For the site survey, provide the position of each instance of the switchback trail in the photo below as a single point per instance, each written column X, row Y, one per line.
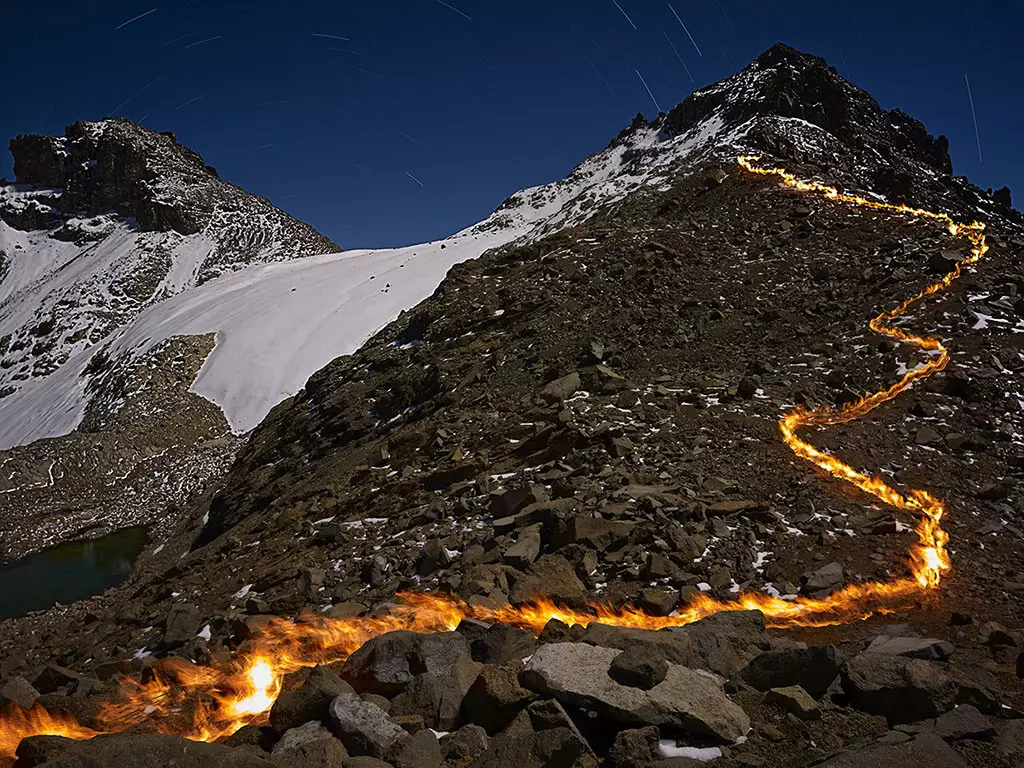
column 210, row 702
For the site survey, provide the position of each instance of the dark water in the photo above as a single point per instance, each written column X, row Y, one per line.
column 68, row 572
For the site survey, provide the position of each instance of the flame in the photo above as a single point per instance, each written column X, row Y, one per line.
column 211, row 702
column 17, row 723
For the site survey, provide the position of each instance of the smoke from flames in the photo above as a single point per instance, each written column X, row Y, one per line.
column 211, row 702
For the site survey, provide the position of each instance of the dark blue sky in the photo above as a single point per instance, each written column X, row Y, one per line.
column 476, row 102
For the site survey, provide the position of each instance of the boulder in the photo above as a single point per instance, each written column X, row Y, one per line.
column 687, row 700
column 925, row 751
column 639, row 667
column 914, row 647
column 901, row 689
column 421, row 751
column 551, row 577
column 503, row 644
column 53, row 678
column 386, row 664
column 964, row 722
column 18, row 690
column 635, row 748
column 495, row 698
column 822, row 581
column 183, row 623
column 39, row 750
column 594, row 532
column 365, row 728
column 724, row 642
column 794, row 700
column 562, row 388
column 311, row 745
column 524, row 745
column 437, row 695
column 672, row 644
column 813, row 669
column 310, row 701
column 464, row 745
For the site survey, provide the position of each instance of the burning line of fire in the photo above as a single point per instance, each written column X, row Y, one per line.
column 211, row 702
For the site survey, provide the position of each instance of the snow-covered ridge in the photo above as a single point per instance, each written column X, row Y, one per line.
column 278, row 322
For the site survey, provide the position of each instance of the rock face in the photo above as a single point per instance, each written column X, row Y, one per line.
column 117, row 165
column 686, row 700
column 901, row 689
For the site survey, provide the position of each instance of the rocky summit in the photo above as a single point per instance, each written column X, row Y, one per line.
column 546, row 516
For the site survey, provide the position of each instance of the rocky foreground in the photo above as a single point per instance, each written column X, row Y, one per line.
column 494, row 696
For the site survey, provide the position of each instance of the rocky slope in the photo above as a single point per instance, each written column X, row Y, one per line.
column 588, row 415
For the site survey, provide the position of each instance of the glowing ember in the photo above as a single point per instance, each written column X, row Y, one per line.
column 211, row 702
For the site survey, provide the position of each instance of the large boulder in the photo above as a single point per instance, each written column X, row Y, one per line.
column 310, row 701
column 551, row 577
column 635, row 748
column 182, row 623
column 365, row 729
column 437, row 695
column 18, row 690
column 813, row 669
column 421, row 751
column 724, row 642
column 901, row 689
column 925, row 751
column 686, row 701
column 386, row 664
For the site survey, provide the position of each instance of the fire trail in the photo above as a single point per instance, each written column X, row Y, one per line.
column 211, row 702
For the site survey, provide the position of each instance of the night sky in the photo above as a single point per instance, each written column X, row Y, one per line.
column 428, row 114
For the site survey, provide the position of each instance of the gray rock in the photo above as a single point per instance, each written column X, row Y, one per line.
column 823, row 580
column 943, row 262
column 526, row 548
column 813, row 669
column 183, row 623
column 386, row 664
column 421, row 751
column 794, row 700
column 964, row 722
column 593, row 532
column 640, row 668
column 39, row 750
column 914, row 647
column 685, row 701
column 296, row 739
column 310, row 701
column 18, row 690
column 925, row 751
column 927, row 436
column 365, row 728
column 635, row 748
column 902, row 689
column 562, row 388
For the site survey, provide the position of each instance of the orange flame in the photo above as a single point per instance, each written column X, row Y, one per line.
column 17, row 723
column 211, row 702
